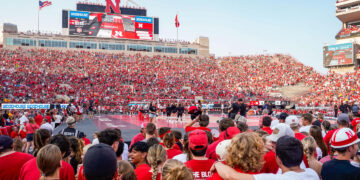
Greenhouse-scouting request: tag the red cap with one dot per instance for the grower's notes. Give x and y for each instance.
(162, 135)
(198, 138)
(192, 109)
(229, 133)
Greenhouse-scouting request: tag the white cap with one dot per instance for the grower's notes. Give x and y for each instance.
(291, 119)
(215, 133)
(344, 137)
(279, 131)
(221, 149)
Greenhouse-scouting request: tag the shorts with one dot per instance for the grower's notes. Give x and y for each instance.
(179, 114)
(29, 137)
(168, 113)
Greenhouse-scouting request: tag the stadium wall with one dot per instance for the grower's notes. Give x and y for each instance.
(59, 42)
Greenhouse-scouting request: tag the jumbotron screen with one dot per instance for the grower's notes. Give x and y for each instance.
(110, 25)
(339, 54)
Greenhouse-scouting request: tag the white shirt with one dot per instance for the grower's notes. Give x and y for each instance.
(305, 129)
(57, 118)
(48, 127)
(125, 154)
(274, 123)
(181, 157)
(23, 119)
(308, 174)
(96, 141)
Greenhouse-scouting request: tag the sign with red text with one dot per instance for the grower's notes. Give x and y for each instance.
(108, 25)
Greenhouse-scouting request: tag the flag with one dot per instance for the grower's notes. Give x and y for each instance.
(44, 4)
(177, 23)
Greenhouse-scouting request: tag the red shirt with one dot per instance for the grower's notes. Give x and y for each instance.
(216, 176)
(86, 141)
(267, 129)
(354, 123)
(29, 171)
(14, 134)
(30, 128)
(211, 150)
(300, 136)
(81, 175)
(11, 164)
(137, 138)
(38, 119)
(48, 118)
(143, 172)
(189, 128)
(22, 134)
(270, 165)
(327, 138)
(176, 146)
(172, 152)
(200, 168)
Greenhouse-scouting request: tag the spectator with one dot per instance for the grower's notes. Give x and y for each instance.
(224, 124)
(30, 171)
(221, 149)
(203, 123)
(242, 107)
(10, 160)
(266, 122)
(75, 155)
(309, 145)
(321, 148)
(199, 164)
(126, 171)
(42, 138)
(344, 142)
(244, 154)
(169, 142)
(96, 138)
(186, 155)
(156, 158)
(140, 136)
(343, 122)
(355, 122)
(306, 122)
(280, 119)
(100, 162)
(46, 125)
(175, 170)
(150, 131)
(138, 153)
(48, 162)
(289, 152)
(70, 130)
(243, 127)
(30, 129)
(110, 137)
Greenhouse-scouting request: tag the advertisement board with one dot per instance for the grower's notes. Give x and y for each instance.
(110, 25)
(339, 54)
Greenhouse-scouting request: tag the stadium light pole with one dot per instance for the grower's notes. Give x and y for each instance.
(38, 20)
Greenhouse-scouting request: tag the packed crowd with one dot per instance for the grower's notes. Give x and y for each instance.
(40, 75)
(284, 148)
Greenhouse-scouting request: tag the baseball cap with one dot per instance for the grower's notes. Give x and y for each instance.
(291, 119)
(282, 115)
(192, 109)
(198, 140)
(229, 133)
(279, 131)
(221, 149)
(5, 142)
(99, 161)
(70, 120)
(143, 125)
(343, 137)
(343, 117)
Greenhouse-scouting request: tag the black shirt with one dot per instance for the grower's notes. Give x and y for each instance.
(180, 110)
(70, 132)
(242, 109)
(339, 169)
(235, 108)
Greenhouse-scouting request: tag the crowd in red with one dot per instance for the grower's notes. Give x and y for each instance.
(39, 75)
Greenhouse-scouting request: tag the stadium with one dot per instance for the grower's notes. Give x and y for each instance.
(108, 98)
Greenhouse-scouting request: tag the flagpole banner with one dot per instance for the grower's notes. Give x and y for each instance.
(43, 4)
(177, 23)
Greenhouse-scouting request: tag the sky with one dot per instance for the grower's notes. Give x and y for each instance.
(299, 28)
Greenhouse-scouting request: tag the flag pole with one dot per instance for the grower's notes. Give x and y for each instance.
(38, 18)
